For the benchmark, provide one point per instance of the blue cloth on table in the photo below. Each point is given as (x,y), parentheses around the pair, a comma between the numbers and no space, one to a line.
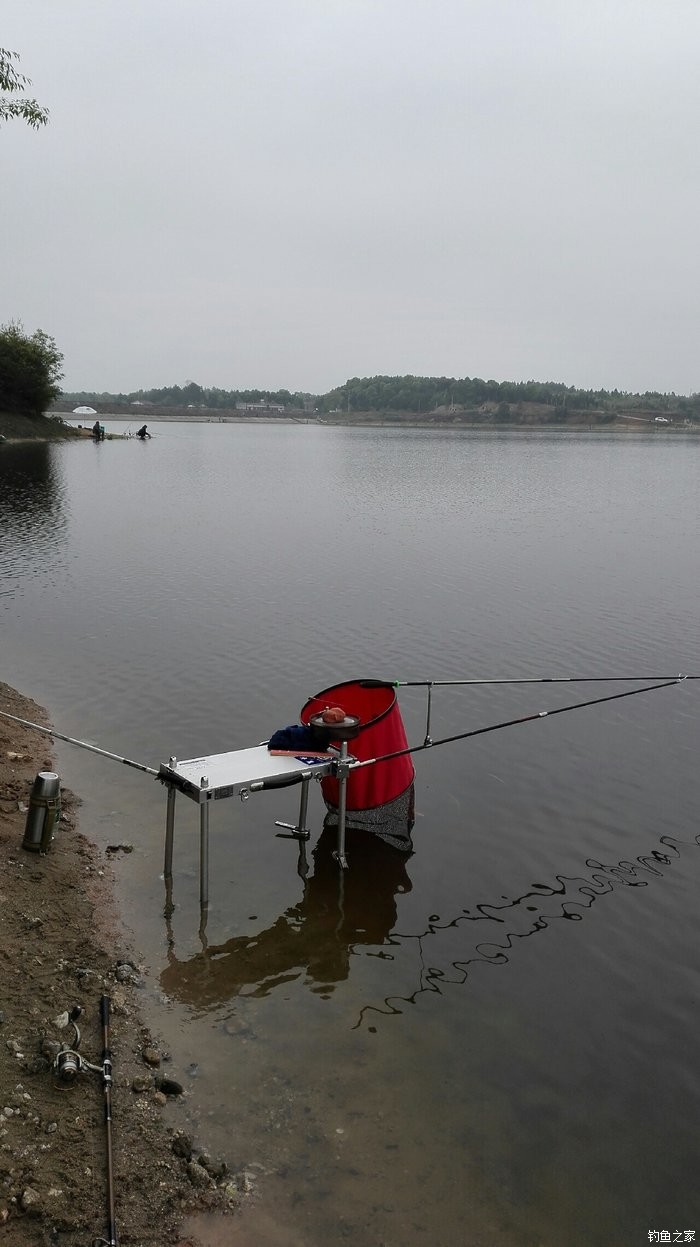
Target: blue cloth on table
(296,737)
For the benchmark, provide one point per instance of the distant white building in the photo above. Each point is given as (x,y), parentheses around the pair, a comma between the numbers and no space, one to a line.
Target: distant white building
(262,405)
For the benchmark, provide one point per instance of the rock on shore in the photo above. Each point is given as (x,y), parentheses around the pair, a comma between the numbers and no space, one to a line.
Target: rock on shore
(61,945)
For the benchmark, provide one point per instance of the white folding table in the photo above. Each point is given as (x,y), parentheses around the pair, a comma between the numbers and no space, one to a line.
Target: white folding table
(220,775)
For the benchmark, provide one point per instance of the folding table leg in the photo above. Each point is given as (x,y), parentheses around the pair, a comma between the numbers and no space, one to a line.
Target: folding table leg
(204,854)
(169,832)
(342,802)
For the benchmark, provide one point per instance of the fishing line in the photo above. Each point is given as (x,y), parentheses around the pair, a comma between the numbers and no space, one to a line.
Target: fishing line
(528,718)
(433,979)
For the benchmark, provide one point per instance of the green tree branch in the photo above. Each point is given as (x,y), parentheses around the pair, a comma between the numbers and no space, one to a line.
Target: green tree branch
(13,84)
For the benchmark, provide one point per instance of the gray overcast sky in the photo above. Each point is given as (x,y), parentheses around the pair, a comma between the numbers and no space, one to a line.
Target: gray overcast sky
(292,192)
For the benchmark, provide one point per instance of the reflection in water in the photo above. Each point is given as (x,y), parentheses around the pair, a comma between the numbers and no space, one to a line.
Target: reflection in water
(523,917)
(32,521)
(340,911)
(315,938)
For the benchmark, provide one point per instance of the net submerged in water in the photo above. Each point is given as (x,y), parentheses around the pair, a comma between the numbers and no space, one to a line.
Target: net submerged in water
(391,822)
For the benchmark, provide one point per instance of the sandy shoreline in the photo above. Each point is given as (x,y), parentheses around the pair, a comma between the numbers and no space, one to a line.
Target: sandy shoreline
(62,945)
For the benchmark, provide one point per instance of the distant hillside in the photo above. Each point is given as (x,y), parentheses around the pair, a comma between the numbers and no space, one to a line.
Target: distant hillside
(466,400)
(509,402)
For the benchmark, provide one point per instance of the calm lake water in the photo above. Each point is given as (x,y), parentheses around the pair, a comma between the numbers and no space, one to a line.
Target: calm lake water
(496,1039)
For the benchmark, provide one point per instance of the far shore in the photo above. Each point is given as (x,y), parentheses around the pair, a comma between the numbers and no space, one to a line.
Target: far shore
(67,426)
(403,421)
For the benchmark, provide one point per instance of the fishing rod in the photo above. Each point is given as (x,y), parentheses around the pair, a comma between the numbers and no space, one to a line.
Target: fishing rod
(68,1063)
(528,718)
(543,679)
(558,679)
(111,1239)
(49,731)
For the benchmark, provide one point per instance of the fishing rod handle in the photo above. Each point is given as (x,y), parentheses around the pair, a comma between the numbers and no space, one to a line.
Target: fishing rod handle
(104,1012)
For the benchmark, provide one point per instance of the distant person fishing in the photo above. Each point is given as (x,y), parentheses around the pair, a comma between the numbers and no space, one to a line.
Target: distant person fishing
(143,433)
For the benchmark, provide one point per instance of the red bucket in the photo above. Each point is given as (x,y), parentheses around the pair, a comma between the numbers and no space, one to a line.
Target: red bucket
(381,731)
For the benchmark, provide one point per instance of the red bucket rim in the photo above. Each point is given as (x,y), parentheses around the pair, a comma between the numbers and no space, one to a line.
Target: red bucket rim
(367,683)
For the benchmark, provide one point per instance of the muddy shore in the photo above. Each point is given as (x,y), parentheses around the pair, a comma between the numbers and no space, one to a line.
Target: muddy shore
(61,946)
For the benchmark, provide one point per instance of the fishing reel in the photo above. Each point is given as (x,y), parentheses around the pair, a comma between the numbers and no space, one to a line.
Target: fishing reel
(68,1062)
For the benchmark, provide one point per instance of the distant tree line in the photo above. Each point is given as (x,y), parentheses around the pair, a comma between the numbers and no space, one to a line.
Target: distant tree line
(193,395)
(468,394)
(470,397)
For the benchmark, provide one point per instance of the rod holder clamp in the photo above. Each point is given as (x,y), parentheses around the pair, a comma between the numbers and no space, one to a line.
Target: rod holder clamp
(342,766)
(292,832)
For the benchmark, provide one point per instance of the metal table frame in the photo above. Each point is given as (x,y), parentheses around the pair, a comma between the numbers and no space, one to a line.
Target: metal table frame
(242,772)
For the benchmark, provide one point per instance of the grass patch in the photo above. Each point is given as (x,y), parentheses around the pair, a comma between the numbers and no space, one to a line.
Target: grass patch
(33,428)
